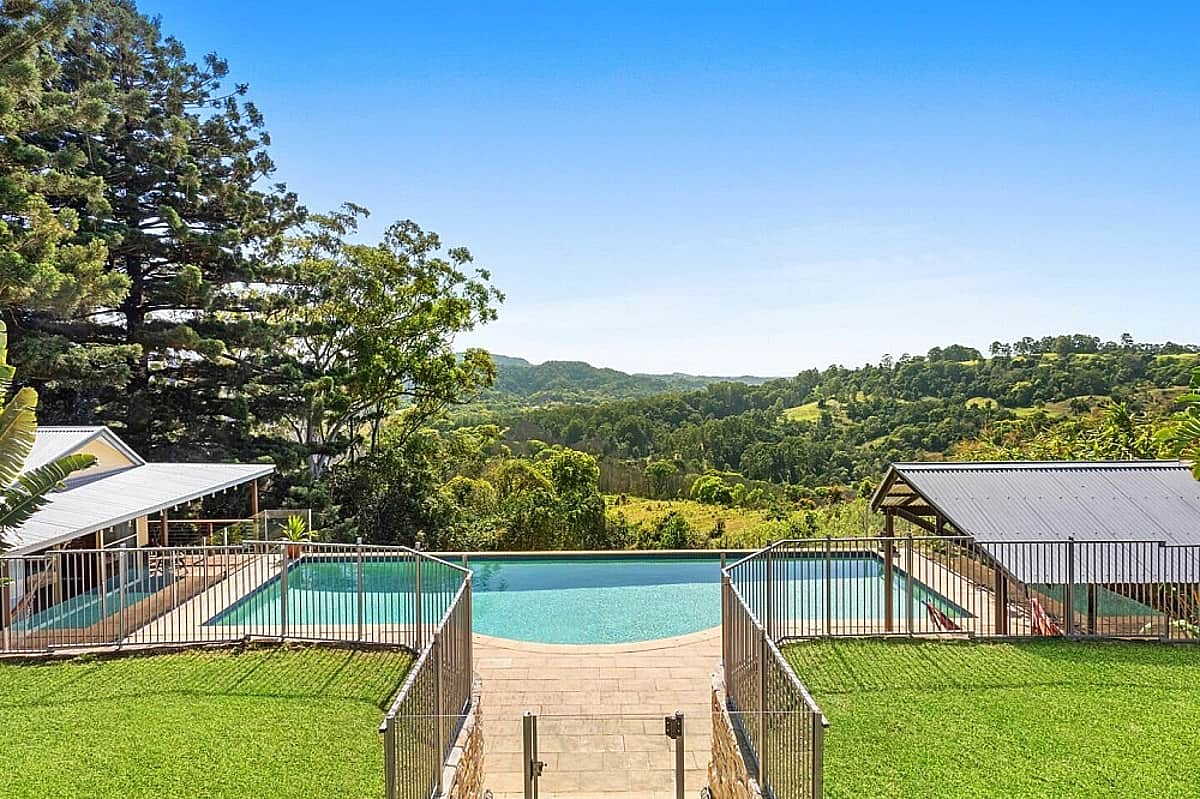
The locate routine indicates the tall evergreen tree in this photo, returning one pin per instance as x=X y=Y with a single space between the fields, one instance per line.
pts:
x=39 y=265
x=188 y=222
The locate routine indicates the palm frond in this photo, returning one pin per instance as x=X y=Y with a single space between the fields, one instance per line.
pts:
x=20 y=501
x=18 y=430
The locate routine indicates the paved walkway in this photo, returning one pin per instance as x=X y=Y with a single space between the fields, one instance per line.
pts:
x=601 y=710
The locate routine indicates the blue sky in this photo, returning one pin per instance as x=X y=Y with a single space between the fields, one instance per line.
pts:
x=753 y=188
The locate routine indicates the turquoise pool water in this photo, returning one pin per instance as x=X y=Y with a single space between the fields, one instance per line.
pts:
x=596 y=600
x=571 y=600
x=85 y=609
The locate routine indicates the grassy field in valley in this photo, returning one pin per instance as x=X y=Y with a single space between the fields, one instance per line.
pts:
x=700 y=517
x=262 y=723
x=1037 y=719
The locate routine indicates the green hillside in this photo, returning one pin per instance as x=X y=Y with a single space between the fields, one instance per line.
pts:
x=520 y=383
x=840 y=426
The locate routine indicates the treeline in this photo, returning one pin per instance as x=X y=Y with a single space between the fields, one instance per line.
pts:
x=839 y=426
x=158 y=276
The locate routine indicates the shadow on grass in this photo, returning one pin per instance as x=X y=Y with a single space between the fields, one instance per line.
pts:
x=281 y=673
x=859 y=666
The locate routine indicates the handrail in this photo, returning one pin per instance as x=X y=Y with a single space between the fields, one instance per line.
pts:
x=365 y=547
x=799 y=588
x=951 y=538
x=797 y=684
x=425 y=654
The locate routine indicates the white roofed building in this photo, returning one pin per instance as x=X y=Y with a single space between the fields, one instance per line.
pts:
x=122 y=498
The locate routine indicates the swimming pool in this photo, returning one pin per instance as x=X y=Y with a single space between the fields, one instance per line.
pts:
x=88 y=608
x=572 y=599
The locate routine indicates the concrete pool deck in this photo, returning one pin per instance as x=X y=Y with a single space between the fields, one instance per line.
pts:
x=601 y=710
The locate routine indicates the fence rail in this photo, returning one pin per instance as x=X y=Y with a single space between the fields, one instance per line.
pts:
x=420 y=727
x=79 y=598
x=286 y=590
x=905 y=586
x=782 y=726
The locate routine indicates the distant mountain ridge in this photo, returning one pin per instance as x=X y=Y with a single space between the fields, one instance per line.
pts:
x=577 y=381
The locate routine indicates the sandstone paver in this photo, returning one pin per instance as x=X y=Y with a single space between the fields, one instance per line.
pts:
x=600 y=714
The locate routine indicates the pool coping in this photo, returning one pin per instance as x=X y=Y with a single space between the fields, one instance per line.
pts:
x=615 y=554
x=599 y=649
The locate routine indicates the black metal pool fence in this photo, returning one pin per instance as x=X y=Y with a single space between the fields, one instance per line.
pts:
x=916 y=586
x=302 y=591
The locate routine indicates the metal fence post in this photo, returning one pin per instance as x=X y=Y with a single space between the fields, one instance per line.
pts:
x=418 y=617
x=889 y=588
x=769 y=599
x=828 y=588
x=908 y=582
x=359 y=592
x=389 y=757
x=283 y=588
x=764 y=651
x=1166 y=596
x=439 y=710
x=679 y=783
x=5 y=605
x=122 y=572
x=531 y=766
x=1069 y=593
x=102 y=569
x=726 y=632
x=470 y=598
x=818 y=756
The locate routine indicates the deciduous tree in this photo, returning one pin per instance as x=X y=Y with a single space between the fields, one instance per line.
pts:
x=369 y=333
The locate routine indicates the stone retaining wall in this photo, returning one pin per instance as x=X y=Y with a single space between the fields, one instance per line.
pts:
x=728 y=775
x=463 y=775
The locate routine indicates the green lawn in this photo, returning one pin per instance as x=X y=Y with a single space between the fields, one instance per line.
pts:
x=263 y=723
x=1044 y=719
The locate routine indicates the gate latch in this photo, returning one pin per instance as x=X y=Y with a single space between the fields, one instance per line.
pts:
x=674 y=726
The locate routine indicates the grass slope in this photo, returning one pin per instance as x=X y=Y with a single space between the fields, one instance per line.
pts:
x=260 y=723
x=700 y=517
x=1038 y=719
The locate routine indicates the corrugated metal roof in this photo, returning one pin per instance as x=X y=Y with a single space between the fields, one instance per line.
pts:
x=1124 y=500
x=125 y=495
x=52 y=443
x=1129 y=501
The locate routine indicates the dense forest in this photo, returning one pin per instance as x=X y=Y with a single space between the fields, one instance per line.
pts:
x=839 y=426
x=158 y=276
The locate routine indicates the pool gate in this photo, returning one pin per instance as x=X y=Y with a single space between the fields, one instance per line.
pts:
x=580 y=756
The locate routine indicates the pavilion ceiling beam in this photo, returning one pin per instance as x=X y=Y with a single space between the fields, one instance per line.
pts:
x=924 y=524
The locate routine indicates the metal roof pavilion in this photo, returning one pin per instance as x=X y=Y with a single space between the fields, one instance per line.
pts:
x=1047 y=501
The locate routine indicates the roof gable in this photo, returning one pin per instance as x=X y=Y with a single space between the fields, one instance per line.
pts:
x=52 y=443
x=1122 y=500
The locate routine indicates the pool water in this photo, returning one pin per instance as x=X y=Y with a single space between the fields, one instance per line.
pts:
x=573 y=599
x=595 y=600
x=86 y=609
